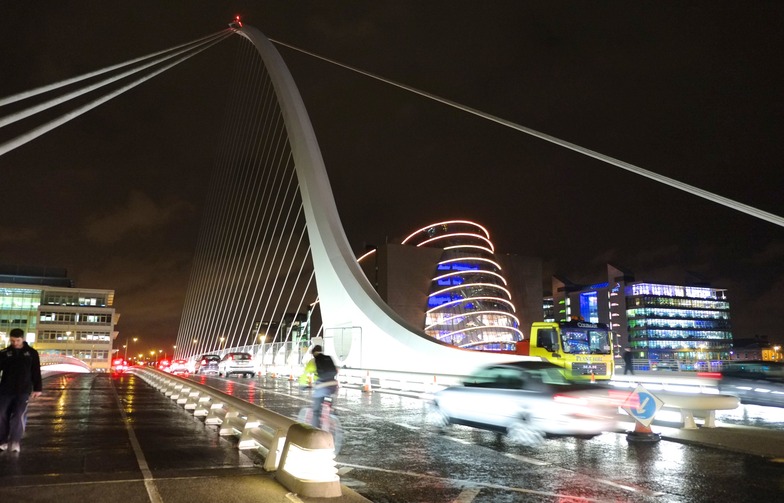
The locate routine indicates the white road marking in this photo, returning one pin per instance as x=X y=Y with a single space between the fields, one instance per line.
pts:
x=459 y=440
x=407 y=426
x=632 y=489
x=468 y=483
x=530 y=461
x=344 y=470
x=467 y=495
x=149 y=481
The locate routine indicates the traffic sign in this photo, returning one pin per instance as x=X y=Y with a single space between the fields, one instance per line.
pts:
x=642 y=405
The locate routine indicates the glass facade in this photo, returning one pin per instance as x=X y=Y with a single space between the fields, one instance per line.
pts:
x=469 y=304
x=61 y=321
x=678 y=323
x=18 y=309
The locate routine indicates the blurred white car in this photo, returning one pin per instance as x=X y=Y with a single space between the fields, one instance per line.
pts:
x=528 y=401
x=179 y=367
x=237 y=363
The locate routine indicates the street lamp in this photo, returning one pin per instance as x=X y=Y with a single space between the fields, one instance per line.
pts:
x=126 y=346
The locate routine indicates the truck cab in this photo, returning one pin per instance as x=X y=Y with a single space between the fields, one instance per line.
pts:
x=582 y=349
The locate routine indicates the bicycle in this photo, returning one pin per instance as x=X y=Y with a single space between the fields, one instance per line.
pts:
x=329 y=421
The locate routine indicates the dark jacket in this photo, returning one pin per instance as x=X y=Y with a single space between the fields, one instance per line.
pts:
x=627 y=357
x=325 y=369
x=21 y=369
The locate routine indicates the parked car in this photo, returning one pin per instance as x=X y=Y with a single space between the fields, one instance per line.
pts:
x=179 y=367
x=207 y=364
x=665 y=365
x=237 y=363
x=528 y=401
x=754 y=382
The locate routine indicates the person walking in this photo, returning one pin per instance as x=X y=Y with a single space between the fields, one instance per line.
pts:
x=627 y=361
x=21 y=379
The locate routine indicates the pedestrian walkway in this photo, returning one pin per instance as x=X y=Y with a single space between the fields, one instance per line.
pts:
x=92 y=437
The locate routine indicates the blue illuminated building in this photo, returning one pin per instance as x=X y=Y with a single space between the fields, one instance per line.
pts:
x=675 y=326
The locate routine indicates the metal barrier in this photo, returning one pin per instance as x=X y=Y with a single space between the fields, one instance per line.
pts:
x=309 y=454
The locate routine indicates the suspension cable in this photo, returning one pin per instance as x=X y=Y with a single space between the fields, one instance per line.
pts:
x=750 y=210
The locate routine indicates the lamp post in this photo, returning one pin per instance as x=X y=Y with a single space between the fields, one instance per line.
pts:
x=127 y=340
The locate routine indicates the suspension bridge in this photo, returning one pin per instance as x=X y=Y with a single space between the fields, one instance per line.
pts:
x=272 y=250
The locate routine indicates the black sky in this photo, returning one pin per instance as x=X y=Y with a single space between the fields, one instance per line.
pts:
x=691 y=90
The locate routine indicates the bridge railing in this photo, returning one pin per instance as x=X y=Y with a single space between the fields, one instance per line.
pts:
x=303 y=457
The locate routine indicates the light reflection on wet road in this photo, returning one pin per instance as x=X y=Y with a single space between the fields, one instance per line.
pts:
x=392 y=455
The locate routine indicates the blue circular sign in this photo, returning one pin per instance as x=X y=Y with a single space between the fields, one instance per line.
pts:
x=646 y=407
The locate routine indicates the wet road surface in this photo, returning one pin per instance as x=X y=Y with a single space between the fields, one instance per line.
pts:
x=94 y=438
x=391 y=454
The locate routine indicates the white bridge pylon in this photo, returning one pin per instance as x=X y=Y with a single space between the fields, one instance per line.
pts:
x=360 y=330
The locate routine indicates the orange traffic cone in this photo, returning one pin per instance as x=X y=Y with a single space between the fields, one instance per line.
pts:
x=366 y=388
x=642 y=434
x=593 y=378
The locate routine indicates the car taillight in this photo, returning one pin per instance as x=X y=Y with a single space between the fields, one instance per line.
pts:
x=231 y=357
x=204 y=362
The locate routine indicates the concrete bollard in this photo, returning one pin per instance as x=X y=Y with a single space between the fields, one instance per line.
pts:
x=307 y=465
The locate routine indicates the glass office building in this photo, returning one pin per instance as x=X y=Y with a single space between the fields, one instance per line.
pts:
x=678 y=323
x=57 y=318
x=668 y=326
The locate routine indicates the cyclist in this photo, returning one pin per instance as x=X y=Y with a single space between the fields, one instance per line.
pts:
x=325 y=384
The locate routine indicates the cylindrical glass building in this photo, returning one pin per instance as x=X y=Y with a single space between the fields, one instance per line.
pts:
x=469 y=304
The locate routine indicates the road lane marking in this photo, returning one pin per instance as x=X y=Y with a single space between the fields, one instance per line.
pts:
x=467 y=495
x=408 y=426
x=530 y=461
x=470 y=483
x=149 y=481
x=459 y=440
x=639 y=490
x=344 y=470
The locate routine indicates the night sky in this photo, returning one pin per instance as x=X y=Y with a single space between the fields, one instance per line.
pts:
x=691 y=90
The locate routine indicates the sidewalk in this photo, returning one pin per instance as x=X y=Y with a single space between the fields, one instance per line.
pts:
x=91 y=437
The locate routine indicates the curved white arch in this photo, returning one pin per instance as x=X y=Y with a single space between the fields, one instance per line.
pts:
x=359 y=327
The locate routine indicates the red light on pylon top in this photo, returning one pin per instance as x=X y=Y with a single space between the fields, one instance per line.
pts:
x=236 y=22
